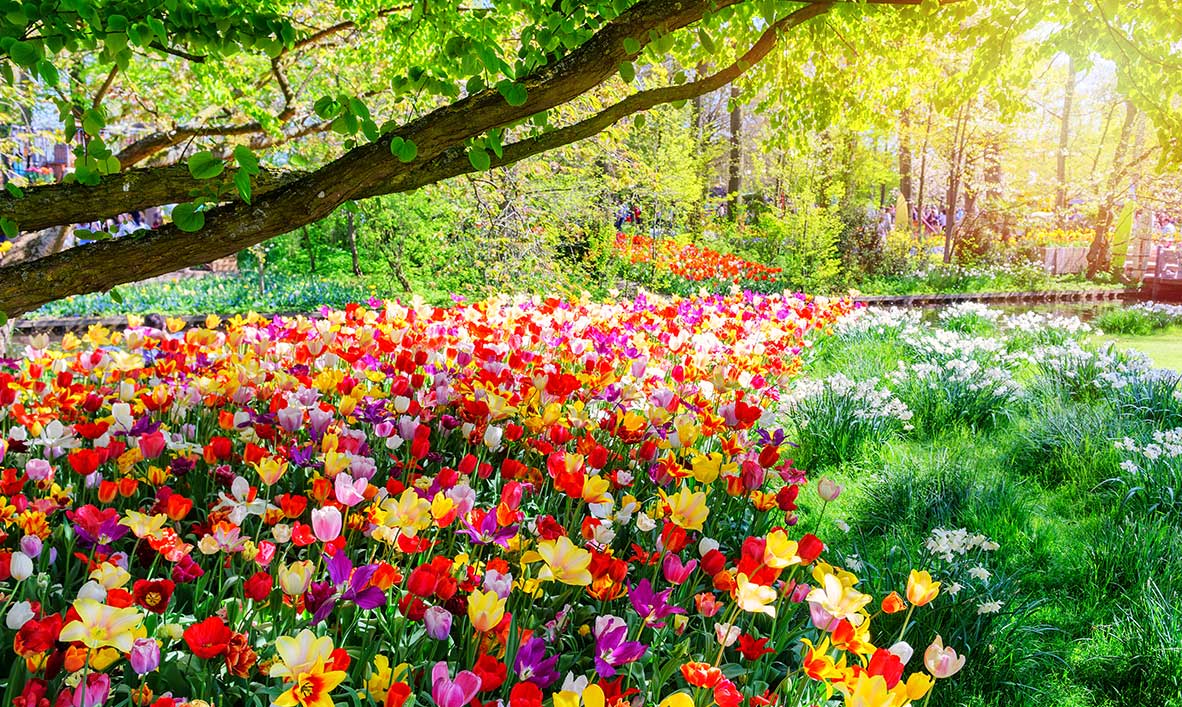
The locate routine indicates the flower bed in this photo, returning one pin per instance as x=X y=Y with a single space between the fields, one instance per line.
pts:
x=518 y=502
x=690 y=262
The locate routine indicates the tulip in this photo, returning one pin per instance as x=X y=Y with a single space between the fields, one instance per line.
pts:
x=942 y=662
x=485 y=610
x=294 y=579
x=21 y=566
x=349 y=491
x=921 y=590
x=144 y=656
x=438 y=622
x=828 y=489
x=326 y=523
x=453 y=693
x=20 y=614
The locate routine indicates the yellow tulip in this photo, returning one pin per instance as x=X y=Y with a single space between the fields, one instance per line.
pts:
x=921 y=589
x=485 y=610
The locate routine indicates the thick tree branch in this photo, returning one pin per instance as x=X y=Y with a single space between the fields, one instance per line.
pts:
x=133 y=190
x=371 y=169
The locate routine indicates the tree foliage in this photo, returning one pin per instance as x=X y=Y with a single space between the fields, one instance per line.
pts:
x=260 y=116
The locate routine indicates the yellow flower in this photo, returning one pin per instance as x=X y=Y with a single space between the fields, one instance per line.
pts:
x=754 y=598
x=870 y=691
x=780 y=552
x=271 y=470
x=592 y=696
x=144 y=525
x=837 y=599
x=110 y=576
x=383 y=676
x=921 y=589
x=918 y=685
x=311 y=688
x=565 y=562
x=485 y=610
x=295 y=578
x=687 y=509
x=99 y=626
x=300 y=654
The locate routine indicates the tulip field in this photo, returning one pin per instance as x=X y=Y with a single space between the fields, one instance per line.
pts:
x=526 y=502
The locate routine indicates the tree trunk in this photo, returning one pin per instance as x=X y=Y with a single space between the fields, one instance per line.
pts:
x=311 y=248
x=735 y=159
x=396 y=266
x=905 y=156
x=352 y=232
x=955 y=164
x=923 y=171
x=1099 y=253
x=1064 y=136
x=851 y=188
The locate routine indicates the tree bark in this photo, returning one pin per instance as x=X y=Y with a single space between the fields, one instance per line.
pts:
x=735 y=158
x=351 y=230
x=1064 y=137
x=905 y=156
x=1099 y=252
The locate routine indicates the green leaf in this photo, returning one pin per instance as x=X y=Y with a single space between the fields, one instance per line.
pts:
x=706 y=40
x=631 y=45
x=16 y=191
x=247 y=160
x=627 y=71
x=3 y=318
x=188 y=218
x=514 y=93
x=47 y=71
x=8 y=226
x=115 y=296
x=24 y=54
x=639 y=120
x=479 y=159
x=242 y=181
x=204 y=165
x=92 y=122
x=407 y=151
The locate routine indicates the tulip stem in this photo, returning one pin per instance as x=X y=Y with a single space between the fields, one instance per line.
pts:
x=906 y=620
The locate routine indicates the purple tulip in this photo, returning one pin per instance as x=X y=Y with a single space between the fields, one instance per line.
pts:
x=438 y=622
x=144 y=656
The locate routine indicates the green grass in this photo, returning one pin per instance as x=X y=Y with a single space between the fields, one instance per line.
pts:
x=1091 y=616
x=1165 y=348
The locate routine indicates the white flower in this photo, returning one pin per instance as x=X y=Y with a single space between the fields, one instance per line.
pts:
x=989 y=607
x=953 y=589
x=19 y=615
x=980 y=573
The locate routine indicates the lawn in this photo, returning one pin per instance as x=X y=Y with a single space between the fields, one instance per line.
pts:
x=1164 y=348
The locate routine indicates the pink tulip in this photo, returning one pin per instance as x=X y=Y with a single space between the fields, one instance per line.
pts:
x=350 y=491
x=326 y=524
x=94 y=693
x=675 y=570
x=453 y=693
x=942 y=662
x=828 y=489
x=152 y=445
